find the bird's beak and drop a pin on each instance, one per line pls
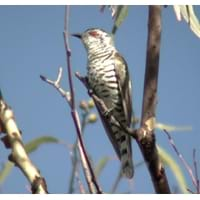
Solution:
(78, 35)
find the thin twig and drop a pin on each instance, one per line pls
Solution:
(56, 85)
(147, 140)
(88, 171)
(92, 184)
(75, 156)
(74, 159)
(68, 56)
(103, 108)
(186, 165)
(190, 191)
(80, 184)
(116, 182)
(196, 171)
(19, 155)
(145, 135)
(76, 173)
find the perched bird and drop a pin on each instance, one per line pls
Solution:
(108, 78)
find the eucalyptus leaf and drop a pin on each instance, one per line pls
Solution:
(171, 128)
(120, 14)
(5, 171)
(34, 144)
(29, 147)
(187, 12)
(101, 165)
(176, 170)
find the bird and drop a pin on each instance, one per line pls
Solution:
(108, 78)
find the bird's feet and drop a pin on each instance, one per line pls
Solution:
(108, 113)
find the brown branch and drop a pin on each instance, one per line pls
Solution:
(75, 159)
(89, 174)
(68, 56)
(87, 169)
(137, 134)
(101, 106)
(145, 136)
(147, 140)
(18, 155)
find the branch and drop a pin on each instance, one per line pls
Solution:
(145, 136)
(117, 181)
(75, 156)
(56, 85)
(196, 172)
(88, 171)
(195, 179)
(89, 174)
(18, 155)
(147, 140)
(75, 173)
(101, 106)
(68, 56)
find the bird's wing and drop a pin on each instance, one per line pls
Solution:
(107, 126)
(124, 85)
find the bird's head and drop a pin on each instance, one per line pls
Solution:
(95, 37)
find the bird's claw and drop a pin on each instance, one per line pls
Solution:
(108, 113)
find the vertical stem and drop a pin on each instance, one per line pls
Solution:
(87, 169)
(68, 52)
(152, 64)
(147, 140)
(75, 156)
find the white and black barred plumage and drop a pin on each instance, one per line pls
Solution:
(109, 79)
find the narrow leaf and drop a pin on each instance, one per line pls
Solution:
(30, 147)
(187, 12)
(5, 171)
(178, 174)
(171, 128)
(101, 165)
(34, 144)
(120, 15)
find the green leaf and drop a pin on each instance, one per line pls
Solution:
(5, 171)
(120, 14)
(171, 128)
(187, 12)
(29, 147)
(34, 144)
(101, 165)
(169, 161)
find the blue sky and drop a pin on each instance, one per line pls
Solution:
(31, 39)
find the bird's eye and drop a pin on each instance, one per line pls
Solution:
(94, 33)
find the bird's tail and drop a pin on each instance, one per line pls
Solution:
(126, 155)
(121, 142)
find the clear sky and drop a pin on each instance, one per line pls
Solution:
(31, 43)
